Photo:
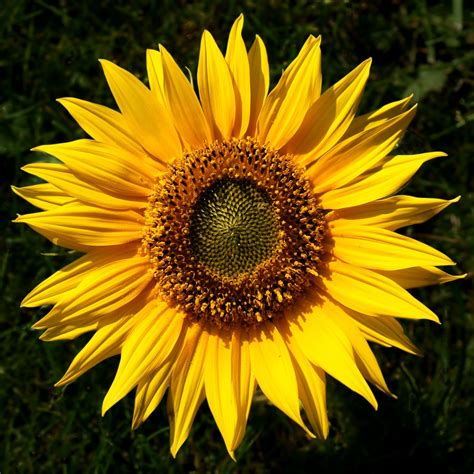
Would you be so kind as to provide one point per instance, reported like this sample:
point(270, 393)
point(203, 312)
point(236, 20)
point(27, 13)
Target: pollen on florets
point(234, 233)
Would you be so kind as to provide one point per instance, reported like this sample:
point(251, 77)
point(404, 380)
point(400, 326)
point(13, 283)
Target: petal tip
point(38, 325)
point(106, 64)
point(105, 406)
point(174, 451)
point(62, 381)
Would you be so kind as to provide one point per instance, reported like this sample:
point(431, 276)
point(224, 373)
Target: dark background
point(50, 50)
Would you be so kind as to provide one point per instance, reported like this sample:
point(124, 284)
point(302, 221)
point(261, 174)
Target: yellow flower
point(243, 238)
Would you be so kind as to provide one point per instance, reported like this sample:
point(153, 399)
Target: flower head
point(235, 240)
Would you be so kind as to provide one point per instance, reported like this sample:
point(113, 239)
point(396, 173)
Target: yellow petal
point(355, 155)
point(103, 291)
point(364, 356)
point(377, 117)
point(383, 330)
point(377, 183)
point(149, 119)
point(285, 108)
point(216, 89)
point(329, 117)
point(187, 112)
point(326, 345)
point(392, 213)
point(148, 346)
point(311, 388)
point(104, 166)
point(81, 227)
point(381, 249)
point(187, 386)
point(150, 391)
point(154, 68)
point(103, 124)
point(237, 59)
point(370, 293)
point(219, 384)
point(55, 287)
point(420, 276)
point(274, 370)
point(66, 332)
point(45, 196)
point(259, 81)
point(244, 384)
point(57, 319)
point(105, 343)
point(60, 176)
point(312, 392)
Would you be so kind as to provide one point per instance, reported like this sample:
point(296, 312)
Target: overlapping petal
point(147, 117)
point(259, 81)
point(216, 88)
point(147, 347)
point(326, 345)
point(151, 389)
point(218, 384)
point(329, 117)
point(154, 68)
point(384, 330)
point(371, 293)
point(103, 124)
point(356, 154)
point(311, 386)
point(44, 196)
point(417, 277)
point(378, 183)
point(274, 370)
point(187, 112)
point(285, 108)
point(80, 227)
point(187, 385)
point(106, 342)
point(80, 189)
point(381, 249)
point(59, 284)
point(377, 117)
point(102, 292)
point(105, 166)
point(363, 355)
point(391, 213)
point(238, 61)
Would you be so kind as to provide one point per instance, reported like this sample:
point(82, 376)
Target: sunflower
point(235, 240)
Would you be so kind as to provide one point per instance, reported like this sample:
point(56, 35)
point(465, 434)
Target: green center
point(233, 227)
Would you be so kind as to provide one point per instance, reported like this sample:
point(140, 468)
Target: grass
point(50, 50)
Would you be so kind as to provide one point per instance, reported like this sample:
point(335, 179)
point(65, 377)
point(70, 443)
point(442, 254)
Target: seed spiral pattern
point(234, 233)
point(233, 227)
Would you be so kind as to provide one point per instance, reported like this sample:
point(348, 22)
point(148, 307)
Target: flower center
point(234, 234)
point(233, 227)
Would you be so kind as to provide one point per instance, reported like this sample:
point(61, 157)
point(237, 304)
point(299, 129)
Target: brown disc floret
point(234, 233)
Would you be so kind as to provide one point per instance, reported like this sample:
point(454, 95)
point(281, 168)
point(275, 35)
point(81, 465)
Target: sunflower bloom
point(235, 238)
